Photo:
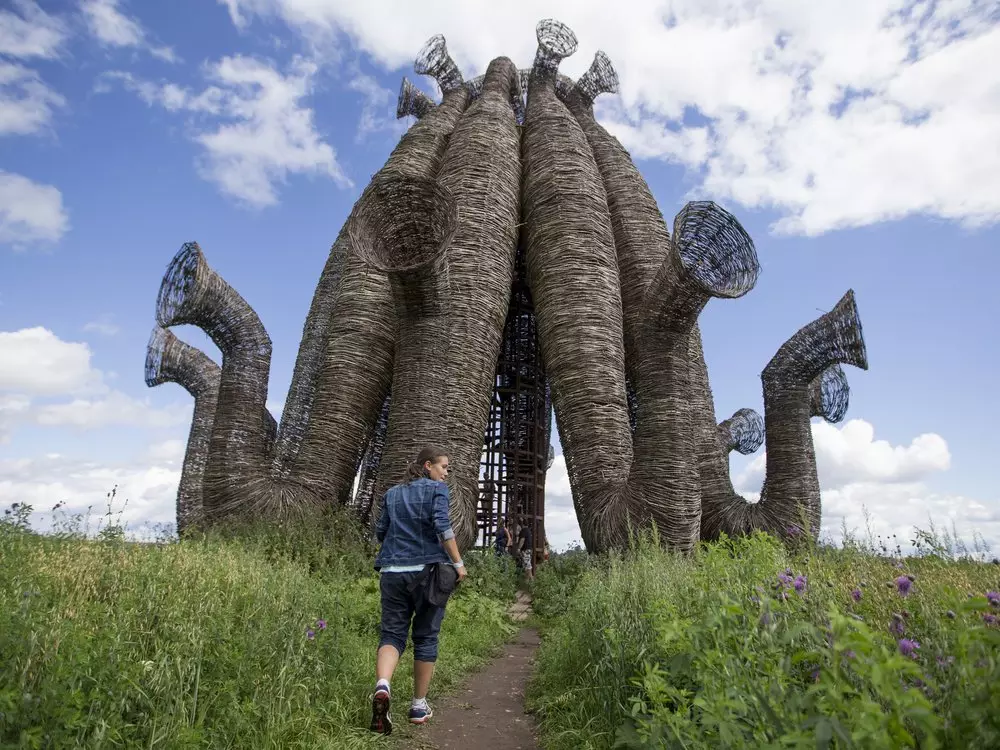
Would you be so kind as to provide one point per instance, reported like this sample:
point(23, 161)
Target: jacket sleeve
point(382, 527)
point(442, 519)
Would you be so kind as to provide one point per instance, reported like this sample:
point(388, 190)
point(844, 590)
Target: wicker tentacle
point(830, 394)
point(435, 61)
point(358, 359)
point(482, 169)
point(573, 274)
point(791, 493)
point(412, 101)
point(365, 495)
point(169, 360)
point(240, 451)
point(743, 432)
point(710, 256)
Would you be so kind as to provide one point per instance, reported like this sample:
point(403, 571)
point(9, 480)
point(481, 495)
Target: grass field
point(264, 639)
point(748, 645)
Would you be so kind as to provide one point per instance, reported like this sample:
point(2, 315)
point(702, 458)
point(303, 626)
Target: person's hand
point(462, 573)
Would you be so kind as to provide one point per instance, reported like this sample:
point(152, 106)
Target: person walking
point(525, 548)
point(417, 538)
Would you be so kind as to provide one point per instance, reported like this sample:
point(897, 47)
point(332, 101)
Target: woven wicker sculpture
point(509, 168)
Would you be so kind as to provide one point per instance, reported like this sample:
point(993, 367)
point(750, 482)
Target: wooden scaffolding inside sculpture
point(516, 452)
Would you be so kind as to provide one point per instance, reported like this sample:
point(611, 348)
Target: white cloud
point(151, 490)
point(833, 114)
point(252, 126)
point(850, 454)
point(31, 32)
point(30, 213)
point(26, 103)
point(112, 28)
point(34, 363)
point(378, 110)
point(104, 325)
point(116, 408)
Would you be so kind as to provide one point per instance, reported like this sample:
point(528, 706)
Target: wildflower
point(908, 647)
point(990, 619)
point(945, 661)
point(856, 595)
point(896, 627)
point(785, 578)
point(800, 584)
point(310, 634)
point(794, 530)
point(903, 584)
point(321, 624)
point(850, 654)
point(815, 675)
point(993, 598)
point(765, 619)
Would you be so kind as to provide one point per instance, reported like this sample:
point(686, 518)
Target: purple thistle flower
point(310, 634)
point(907, 647)
point(993, 598)
point(850, 654)
point(896, 627)
point(903, 584)
point(785, 578)
point(793, 530)
point(990, 619)
point(321, 624)
point(856, 595)
point(800, 583)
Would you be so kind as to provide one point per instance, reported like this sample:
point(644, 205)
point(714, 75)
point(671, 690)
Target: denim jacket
point(413, 524)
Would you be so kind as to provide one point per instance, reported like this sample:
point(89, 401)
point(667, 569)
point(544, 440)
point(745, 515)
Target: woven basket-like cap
point(716, 251)
point(412, 101)
point(403, 223)
point(434, 60)
point(179, 283)
point(743, 432)
point(158, 342)
point(600, 78)
point(830, 394)
point(556, 41)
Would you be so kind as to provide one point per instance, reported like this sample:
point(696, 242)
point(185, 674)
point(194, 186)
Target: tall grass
point(748, 645)
point(259, 639)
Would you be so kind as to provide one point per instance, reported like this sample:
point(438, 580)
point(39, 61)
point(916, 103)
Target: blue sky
point(128, 128)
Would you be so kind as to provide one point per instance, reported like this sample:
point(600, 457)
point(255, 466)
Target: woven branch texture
point(508, 255)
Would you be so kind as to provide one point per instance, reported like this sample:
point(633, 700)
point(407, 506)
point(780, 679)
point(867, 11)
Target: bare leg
point(422, 673)
point(385, 664)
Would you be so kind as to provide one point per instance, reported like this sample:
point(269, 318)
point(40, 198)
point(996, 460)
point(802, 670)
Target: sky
point(855, 140)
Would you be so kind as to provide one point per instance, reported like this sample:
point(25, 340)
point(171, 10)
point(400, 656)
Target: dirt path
point(488, 712)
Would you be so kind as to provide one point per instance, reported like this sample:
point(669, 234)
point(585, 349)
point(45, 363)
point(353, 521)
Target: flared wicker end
point(600, 78)
point(715, 250)
point(158, 341)
point(179, 282)
point(830, 395)
point(844, 322)
point(475, 87)
point(403, 223)
point(743, 432)
point(412, 101)
point(435, 61)
point(556, 41)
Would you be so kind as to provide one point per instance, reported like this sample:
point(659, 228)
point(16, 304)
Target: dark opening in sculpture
point(508, 260)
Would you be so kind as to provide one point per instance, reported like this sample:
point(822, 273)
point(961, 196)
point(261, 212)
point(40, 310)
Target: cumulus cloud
point(833, 114)
point(251, 124)
point(868, 485)
point(378, 110)
point(30, 213)
point(150, 490)
point(26, 103)
point(36, 366)
point(113, 28)
point(31, 32)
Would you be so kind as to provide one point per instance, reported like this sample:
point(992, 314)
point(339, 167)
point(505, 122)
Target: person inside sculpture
point(524, 547)
point(504, 539)
point(420, 564)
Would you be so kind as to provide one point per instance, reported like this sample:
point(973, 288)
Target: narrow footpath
point(488, 712)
